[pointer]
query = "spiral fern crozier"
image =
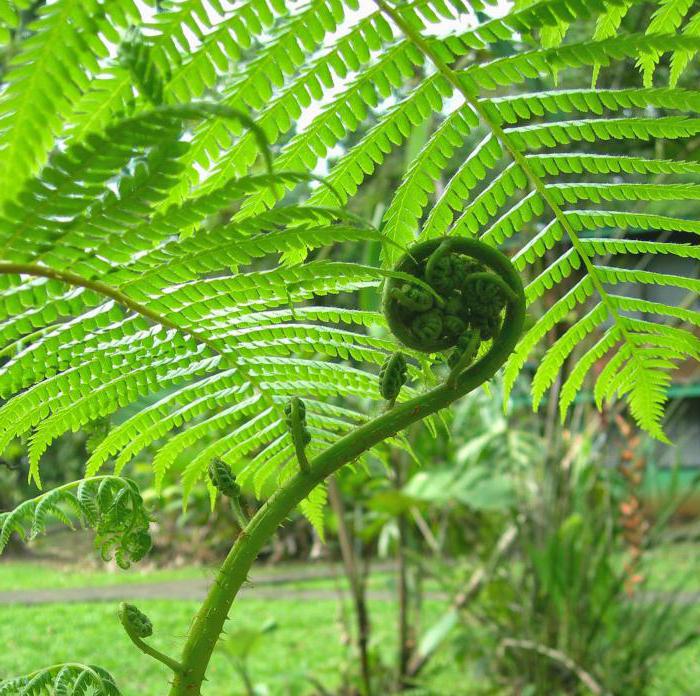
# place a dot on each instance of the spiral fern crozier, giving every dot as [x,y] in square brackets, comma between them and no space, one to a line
[465,305]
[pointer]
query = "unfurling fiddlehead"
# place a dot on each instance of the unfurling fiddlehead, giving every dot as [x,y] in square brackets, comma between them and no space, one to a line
[223,479]
[138,626]
[110,505]
[472,296]
[392,376]
[135,621]
[295,417]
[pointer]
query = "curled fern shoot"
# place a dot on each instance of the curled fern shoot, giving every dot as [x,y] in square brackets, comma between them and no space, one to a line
[110,505]
[295,417]
[392,376]
[135,622]
[223,479]
[138,626]
[474,296]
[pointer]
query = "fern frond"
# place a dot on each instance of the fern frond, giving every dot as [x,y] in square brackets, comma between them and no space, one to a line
[683,57]
[303,32]
[603,247]
[616,276]
[665,20]
[341,116]
[574,381]
[401,218]
[607,26]
[313,508]
[593,130]
[513,70]
[501,206]
[157,420]
[220,421]
[47,75]
[210,46]
[518,107]
[199,297]
[389,133]
[561,349]
[69,678]
[555,314]
[636,304]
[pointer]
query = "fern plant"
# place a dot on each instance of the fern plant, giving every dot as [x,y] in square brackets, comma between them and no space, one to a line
[149,248]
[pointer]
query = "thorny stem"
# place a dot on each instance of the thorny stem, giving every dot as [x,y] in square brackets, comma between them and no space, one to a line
[209,622]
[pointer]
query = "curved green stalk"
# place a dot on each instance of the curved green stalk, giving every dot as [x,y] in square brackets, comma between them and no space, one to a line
[136,634]
[209,622]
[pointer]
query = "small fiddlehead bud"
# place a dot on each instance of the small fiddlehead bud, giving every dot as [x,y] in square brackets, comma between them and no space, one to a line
[476,288]
[392,376]
[135,621]
[295,417]
[223,479]
[138,626]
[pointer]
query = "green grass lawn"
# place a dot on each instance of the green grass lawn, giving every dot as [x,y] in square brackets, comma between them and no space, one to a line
[309,638]
[36,636]
[19,575]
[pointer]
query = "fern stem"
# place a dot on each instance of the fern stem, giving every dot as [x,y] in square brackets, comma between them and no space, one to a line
[145,648]
[458,82]
[209,622]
